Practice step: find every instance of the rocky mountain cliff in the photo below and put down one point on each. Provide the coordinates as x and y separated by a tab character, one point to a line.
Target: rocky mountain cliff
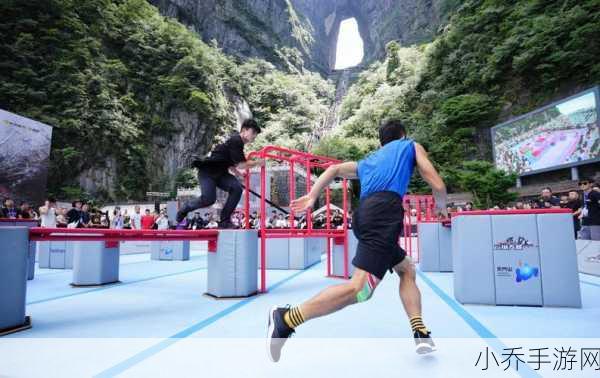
304	32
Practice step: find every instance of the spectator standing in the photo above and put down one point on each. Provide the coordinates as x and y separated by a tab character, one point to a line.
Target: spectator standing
48	213
574	203
9	210
117	222
547	200
147	220
162	222
74	214
590	215
136	218
85	218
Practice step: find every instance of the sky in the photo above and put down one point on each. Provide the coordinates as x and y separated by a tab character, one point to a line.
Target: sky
350	46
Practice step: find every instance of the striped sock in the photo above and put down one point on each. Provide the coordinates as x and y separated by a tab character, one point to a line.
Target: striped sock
416	323
293	317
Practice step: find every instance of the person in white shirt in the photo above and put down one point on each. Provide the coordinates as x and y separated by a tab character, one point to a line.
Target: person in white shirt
48	213
162	222
136	219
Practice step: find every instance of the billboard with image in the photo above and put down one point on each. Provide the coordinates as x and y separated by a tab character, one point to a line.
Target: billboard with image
24	156
563	134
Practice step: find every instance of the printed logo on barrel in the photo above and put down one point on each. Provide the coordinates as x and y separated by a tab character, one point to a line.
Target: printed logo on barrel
512	244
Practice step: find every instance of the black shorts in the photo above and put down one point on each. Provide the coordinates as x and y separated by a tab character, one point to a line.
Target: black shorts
377	224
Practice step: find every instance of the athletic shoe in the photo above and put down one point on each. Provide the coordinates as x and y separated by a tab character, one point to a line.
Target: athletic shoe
278	332
424	342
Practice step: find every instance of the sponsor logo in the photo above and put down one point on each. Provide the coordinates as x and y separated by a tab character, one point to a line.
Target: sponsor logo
504	271
513	244
593	259
525	272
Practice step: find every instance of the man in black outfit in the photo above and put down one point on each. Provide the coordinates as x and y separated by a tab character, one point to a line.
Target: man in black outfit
213	172
74	215
547	200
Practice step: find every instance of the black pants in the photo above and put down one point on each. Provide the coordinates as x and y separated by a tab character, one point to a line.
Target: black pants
208	185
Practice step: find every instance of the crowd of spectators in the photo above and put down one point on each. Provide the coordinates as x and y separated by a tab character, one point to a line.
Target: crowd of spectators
277	219
584	204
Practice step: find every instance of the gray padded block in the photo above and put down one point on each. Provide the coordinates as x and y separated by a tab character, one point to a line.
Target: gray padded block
55	254
94	263
233	269
337	255
31	260
512	257
170	250
429	247
278	253
558	261
472	259
445	248
14	244
304	252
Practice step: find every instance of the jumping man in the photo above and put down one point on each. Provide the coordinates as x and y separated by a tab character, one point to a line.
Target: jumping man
384	177
213	172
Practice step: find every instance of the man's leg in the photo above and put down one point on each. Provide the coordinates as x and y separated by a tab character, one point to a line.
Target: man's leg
283	321
411	300
232	186
208	186
585	233
594	232
334	298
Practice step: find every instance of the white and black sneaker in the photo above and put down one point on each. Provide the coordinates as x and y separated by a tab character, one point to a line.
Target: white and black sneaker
424	342
278	332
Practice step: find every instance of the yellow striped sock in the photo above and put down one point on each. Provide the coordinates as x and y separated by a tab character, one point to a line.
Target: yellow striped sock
293	317
416	323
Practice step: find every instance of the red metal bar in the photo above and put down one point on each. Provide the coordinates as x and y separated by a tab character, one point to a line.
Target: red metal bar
103	234
247	198
263	223
292	186
328	226
309	211
345	226
267	149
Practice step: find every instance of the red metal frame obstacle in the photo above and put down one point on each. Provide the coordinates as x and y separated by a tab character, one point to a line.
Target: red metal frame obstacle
424	206
308	161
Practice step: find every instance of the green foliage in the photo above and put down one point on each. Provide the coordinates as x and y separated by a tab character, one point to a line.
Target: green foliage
494	59
287	105
106	74
186	178
488	185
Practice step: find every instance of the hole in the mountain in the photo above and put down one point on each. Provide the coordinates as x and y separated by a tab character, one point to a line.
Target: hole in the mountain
349	51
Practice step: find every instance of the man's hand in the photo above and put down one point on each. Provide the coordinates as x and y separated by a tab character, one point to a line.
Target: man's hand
260	162
240	174
442	213
303	203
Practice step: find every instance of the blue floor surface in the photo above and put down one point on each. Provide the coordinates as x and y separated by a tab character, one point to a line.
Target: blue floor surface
158	322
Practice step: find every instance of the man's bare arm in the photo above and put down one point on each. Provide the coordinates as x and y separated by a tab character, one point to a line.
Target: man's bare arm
345	170
431	177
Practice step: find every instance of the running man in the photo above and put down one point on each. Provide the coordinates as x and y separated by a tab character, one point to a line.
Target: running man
384	176
213	172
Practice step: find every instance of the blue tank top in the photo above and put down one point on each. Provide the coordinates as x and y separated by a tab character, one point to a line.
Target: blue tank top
387	169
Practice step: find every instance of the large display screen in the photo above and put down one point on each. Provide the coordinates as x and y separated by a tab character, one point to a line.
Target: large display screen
24	155
559	135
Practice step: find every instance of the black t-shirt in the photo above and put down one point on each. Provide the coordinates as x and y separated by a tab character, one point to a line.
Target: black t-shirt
592	203
544	203
13	212
223	156
73	215
574	205
85	217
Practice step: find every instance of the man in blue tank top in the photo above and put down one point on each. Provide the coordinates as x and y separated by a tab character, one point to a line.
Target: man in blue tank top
384	176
